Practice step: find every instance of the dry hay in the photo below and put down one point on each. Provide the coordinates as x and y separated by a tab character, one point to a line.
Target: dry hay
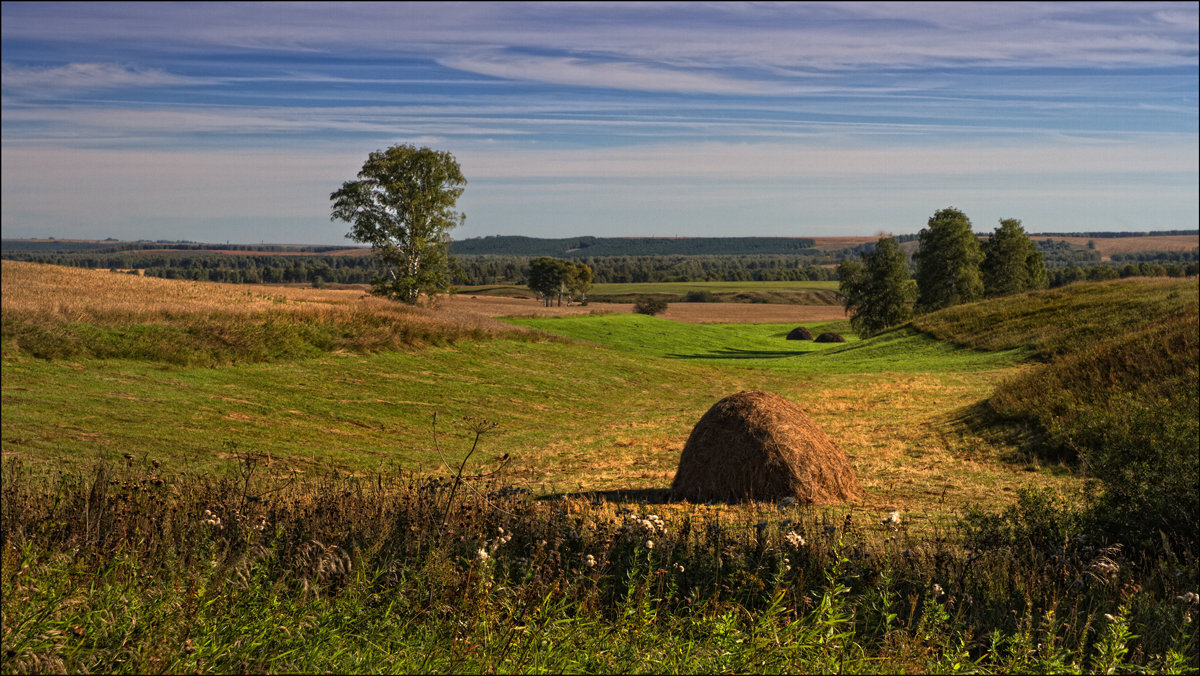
756	445
830	337
800	333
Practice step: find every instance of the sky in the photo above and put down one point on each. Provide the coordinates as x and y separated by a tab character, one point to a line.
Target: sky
234	122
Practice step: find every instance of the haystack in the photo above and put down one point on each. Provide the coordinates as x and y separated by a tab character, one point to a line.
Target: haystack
830	337
799	333
756	445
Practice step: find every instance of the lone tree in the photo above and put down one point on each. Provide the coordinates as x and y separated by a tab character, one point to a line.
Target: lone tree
403	206
580	282
948	262
1011	262
878	290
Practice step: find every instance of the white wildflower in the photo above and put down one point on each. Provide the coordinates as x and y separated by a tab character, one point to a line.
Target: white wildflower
794	539
1110	618
649	544
893	519
937	590
679	568
481	555
590	561
1191	598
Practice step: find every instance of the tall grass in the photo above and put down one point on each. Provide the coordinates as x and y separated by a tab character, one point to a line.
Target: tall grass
130	569
54	312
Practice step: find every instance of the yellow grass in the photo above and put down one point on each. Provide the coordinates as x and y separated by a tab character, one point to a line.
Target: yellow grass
64	294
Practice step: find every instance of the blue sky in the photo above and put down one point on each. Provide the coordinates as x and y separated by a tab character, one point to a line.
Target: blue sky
215	122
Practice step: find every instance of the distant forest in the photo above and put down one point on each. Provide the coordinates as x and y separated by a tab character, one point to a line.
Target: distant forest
505	259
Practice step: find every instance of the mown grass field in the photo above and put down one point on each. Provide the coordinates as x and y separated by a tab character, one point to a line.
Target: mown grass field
608	410
270	495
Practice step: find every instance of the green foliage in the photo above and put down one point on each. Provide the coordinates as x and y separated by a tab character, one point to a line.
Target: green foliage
1011	262
553	278
403	206
700	296
948	262
878	291
650	306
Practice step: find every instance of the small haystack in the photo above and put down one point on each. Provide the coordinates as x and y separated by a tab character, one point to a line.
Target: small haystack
830	337
756	445
799	333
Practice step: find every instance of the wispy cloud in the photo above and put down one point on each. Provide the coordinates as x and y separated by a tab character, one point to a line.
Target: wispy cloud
578	115
580	72
88	76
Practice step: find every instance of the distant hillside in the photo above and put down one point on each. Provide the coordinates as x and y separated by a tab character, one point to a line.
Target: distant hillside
579	247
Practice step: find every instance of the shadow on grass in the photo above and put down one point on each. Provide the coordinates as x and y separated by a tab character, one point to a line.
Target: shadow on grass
1025	437
649	496
735	353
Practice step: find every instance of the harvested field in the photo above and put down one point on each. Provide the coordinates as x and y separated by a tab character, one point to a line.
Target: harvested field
1107	246
693	313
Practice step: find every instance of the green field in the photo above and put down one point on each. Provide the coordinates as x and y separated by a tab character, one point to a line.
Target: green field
271	496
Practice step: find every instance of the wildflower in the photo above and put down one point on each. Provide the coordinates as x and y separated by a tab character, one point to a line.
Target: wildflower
787	564
679	567
938	592
1191	598
893	519
590	561
481	555
794	539
649	544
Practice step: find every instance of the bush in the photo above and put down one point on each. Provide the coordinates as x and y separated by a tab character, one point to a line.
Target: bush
650	306
704	296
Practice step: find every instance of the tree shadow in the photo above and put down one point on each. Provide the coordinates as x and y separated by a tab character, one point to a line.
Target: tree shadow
736	353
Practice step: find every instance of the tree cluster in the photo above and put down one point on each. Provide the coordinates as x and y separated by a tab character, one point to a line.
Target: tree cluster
951	265
553	278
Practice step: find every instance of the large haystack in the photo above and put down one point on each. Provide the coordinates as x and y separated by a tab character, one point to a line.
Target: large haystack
756	445
830	337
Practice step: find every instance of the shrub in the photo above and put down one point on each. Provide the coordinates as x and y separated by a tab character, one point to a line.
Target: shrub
702	296
650	306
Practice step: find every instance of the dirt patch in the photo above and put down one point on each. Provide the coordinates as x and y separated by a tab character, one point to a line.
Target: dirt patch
692	313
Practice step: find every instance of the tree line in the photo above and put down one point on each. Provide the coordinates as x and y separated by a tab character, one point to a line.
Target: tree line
953	265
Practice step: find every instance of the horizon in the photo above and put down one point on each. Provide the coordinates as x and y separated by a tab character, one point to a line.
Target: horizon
236	121
1097	234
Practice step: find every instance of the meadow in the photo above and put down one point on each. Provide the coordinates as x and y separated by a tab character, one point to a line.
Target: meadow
202	477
